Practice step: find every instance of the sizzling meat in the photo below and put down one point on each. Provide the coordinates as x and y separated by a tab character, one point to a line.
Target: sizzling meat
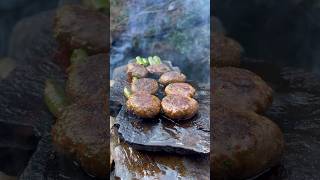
183	89
172	77
179	107
144	105
146	85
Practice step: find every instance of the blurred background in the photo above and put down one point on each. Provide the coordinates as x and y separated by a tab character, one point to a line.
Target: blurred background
283	36
11	11
283	31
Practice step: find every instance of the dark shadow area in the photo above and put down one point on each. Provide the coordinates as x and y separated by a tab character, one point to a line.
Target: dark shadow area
279	41
277	31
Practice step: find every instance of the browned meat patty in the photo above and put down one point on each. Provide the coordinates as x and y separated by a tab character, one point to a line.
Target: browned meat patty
146	85
81	132
136	70
243	144
78	27
144	105
172	77
179	107
224	51
240	88
158	69
88	78
183	89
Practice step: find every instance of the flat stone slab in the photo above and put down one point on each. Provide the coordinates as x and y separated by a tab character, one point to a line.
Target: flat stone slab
162	134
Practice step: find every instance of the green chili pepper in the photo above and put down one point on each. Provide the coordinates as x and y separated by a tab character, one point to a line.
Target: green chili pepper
55	98
127	92
157	59
139	60
145	62
78	55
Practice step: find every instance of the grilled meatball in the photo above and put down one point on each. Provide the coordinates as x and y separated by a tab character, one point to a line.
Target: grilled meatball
79	27
87	78
144	105
81	132
136	70
225	51
179	107
244	144
158	69
240	88
183	89
172	77
146	85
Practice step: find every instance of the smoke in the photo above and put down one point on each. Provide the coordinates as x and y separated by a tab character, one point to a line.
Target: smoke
175	30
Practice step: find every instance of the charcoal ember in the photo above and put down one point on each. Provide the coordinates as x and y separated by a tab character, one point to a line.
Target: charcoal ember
160	134
71	33
133	164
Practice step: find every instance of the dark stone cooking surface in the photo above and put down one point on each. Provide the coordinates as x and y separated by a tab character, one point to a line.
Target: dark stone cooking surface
161	134
133	164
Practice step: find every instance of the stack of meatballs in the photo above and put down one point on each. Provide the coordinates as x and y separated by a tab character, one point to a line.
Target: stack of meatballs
178	104
244	143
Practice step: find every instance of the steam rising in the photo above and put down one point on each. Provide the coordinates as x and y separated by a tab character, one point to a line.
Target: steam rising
175	30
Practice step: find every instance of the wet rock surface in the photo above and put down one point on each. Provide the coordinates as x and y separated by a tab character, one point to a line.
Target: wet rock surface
161	134
134	164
